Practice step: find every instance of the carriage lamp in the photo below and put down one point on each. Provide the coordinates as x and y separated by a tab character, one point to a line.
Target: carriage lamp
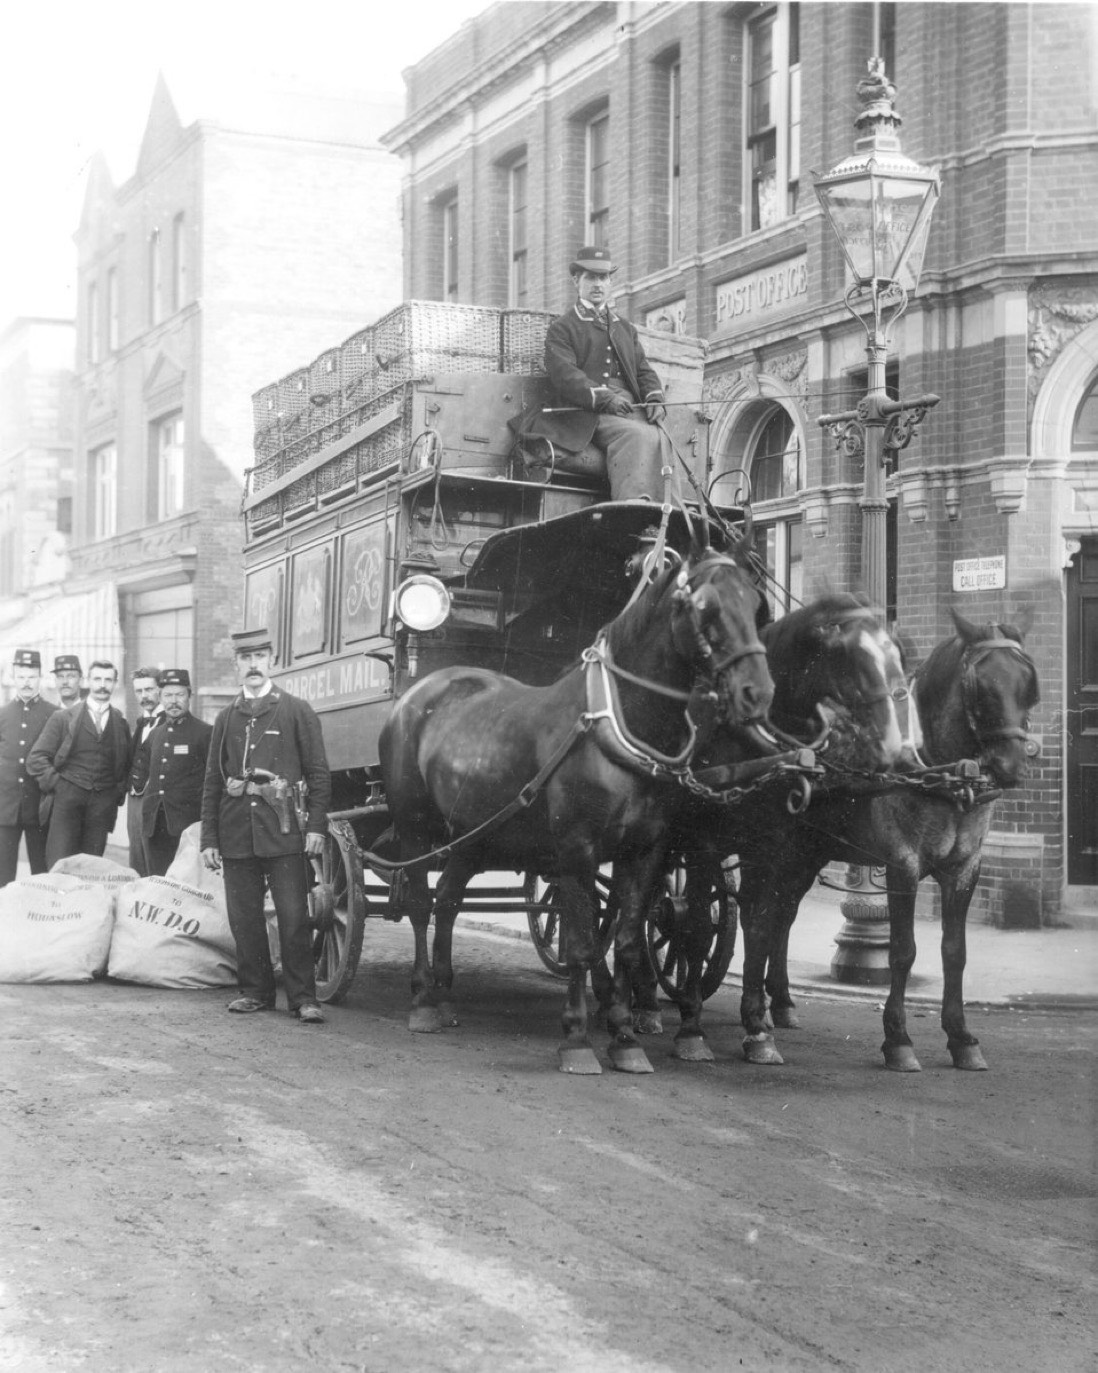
422	603
879	204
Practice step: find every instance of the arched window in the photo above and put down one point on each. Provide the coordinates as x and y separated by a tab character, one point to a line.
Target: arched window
1084	432
774	460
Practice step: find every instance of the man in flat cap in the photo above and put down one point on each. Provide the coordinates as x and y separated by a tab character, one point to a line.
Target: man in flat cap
82	759
168	773
263	744
146	689
21	722
598	368
67	678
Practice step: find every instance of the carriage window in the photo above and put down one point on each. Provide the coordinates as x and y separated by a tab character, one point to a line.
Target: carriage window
309	627
362	583
1084	433
263	604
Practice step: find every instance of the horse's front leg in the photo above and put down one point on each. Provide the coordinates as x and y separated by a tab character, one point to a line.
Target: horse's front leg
783	1009
956	898
703	878
414	899
899	1053
456	876
579	939
636	881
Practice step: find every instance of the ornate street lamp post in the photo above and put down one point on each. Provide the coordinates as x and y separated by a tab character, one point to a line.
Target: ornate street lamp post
879	203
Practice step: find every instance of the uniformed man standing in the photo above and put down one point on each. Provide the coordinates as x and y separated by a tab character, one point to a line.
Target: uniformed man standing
146	687
67	677
263	744
82	759
611	396
21	722
168	773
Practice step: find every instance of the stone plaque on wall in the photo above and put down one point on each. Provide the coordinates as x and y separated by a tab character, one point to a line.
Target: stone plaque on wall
748	300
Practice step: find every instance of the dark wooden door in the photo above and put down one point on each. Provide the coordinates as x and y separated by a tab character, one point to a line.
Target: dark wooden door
1082	718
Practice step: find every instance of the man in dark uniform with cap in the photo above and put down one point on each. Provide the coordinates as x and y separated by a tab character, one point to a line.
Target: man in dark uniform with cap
168	773
67	676
264	743
82	759
21	722
598	368
146	688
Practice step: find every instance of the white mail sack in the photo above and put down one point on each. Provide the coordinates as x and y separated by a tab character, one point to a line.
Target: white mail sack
54	928
89	867
170	934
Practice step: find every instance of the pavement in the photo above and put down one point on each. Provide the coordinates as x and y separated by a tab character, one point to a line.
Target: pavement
1052	968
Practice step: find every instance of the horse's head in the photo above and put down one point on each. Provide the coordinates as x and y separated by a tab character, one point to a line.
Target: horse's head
834	655
713	627
997	690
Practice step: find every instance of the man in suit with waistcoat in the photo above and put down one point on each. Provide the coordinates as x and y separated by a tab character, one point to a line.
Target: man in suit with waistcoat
21	722
263	744
168	773
611	396
146	688
82	762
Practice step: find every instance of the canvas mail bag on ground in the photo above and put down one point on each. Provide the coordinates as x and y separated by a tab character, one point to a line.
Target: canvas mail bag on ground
171	934
54	928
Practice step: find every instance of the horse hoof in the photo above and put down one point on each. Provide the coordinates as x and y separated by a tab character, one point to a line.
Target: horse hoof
785	1019
629	1058
969	1057
425	1020
761	1050
448	1015
692	1049
582	1061
647	1023
900	1058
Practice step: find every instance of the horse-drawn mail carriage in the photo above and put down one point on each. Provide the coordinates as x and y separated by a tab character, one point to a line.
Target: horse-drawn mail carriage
395	525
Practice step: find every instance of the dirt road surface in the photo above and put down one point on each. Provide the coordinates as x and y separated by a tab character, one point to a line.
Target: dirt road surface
189	1190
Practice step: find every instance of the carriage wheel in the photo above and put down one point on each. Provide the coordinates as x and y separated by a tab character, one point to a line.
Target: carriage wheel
666	931
545	919
337	911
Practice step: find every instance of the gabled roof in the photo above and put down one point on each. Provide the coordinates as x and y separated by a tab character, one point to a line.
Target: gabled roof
98	195
162	128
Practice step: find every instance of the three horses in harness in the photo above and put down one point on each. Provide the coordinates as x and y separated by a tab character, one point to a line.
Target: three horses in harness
607	765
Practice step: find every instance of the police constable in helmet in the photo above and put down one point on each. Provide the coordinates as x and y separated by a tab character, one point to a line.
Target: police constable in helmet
168	772
263	744
613	398
21	722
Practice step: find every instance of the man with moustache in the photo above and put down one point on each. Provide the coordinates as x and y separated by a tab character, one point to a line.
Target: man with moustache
146	688
266	735
67	677
82	760
168	773
611	397
21	722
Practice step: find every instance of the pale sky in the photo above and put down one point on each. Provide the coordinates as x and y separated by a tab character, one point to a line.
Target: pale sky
78	78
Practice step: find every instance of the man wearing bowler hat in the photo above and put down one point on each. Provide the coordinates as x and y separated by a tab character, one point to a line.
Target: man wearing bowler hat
21	722
612	398
168	773
67	676
263	745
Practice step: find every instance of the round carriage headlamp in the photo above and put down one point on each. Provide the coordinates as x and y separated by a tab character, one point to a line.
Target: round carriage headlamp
422	603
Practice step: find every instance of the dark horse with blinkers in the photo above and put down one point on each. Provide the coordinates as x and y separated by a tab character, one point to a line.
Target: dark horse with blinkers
974	694
562	778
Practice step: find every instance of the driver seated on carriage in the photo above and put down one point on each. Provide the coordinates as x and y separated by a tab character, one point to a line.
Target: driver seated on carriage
610	397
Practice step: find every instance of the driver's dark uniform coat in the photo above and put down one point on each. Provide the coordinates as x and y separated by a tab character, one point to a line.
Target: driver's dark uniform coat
284	738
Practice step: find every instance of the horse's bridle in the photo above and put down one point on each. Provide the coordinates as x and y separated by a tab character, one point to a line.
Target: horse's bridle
973	655
711	665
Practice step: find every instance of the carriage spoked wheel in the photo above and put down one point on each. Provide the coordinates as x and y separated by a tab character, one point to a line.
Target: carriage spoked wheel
545	919
666	931
337	912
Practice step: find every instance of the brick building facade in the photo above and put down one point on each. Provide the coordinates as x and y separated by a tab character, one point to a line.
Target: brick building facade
682	135
236	244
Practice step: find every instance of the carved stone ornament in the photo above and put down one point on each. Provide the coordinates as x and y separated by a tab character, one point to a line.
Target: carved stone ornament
726	384
1056	314
792	368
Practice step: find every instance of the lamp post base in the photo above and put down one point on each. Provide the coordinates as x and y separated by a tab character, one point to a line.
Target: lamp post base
862	956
